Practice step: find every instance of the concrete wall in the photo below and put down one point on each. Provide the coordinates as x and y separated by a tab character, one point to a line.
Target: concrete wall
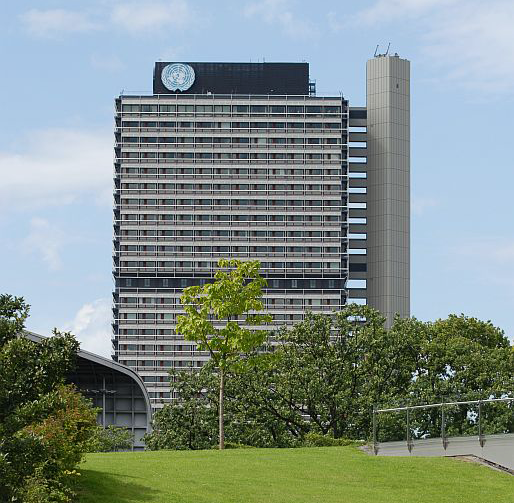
498	449
388	171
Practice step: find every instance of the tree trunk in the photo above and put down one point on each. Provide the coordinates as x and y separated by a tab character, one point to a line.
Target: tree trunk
221	410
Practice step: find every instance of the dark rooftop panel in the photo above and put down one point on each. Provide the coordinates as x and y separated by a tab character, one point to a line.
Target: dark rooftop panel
231	78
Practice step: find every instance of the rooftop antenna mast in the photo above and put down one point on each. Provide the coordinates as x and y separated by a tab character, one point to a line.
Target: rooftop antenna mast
378	55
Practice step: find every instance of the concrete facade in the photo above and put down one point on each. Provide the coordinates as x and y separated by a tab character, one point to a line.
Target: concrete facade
388	160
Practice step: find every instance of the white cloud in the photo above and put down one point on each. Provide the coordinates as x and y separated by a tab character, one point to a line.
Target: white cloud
474	41
279	12
140	17
54	22
58	166
420	205
384	11
470	40
46	240
92	327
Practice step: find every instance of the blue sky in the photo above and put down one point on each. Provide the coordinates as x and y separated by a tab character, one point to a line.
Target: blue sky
63	62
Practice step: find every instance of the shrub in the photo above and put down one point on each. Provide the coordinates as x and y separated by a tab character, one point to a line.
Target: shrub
45	426
39	489
112	438
318	440
54	445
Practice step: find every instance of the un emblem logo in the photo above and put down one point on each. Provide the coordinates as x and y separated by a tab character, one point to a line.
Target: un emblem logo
178	77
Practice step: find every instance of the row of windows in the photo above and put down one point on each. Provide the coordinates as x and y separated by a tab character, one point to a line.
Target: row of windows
331	303
283	283
149	300
260	109
229	218
223	171
160	394
232	140
229	233
160	363
235	125
147	316
229	186
245	155
230	249
238	127
146	331
164	378
274	302
231	202
213	265
170	318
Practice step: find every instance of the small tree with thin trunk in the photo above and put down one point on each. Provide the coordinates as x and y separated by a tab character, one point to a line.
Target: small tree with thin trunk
222	317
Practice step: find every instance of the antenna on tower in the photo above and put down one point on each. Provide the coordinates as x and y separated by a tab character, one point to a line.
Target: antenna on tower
375	55
388	46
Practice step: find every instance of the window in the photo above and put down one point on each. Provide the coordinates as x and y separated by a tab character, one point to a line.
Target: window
147	282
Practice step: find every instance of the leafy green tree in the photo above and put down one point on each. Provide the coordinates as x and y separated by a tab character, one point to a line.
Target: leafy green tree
44	425
460	358
324	375
222	318
191	421
333	368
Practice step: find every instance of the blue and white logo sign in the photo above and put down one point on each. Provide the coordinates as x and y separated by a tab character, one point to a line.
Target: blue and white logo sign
178	77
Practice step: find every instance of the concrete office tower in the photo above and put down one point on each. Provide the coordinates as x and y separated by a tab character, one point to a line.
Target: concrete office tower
239	160
388	185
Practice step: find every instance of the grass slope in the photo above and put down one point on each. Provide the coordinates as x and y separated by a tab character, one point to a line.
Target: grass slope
307	475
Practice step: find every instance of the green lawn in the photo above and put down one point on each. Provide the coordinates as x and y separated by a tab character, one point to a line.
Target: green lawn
307	475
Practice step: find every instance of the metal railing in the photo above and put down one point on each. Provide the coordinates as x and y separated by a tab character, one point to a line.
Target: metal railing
442	405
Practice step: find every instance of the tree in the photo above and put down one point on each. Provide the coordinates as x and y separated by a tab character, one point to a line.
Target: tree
325	374
189	422
44	425
222	318
460	358
333	368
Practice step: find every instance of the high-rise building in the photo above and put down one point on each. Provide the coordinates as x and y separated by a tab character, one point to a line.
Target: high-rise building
243	160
